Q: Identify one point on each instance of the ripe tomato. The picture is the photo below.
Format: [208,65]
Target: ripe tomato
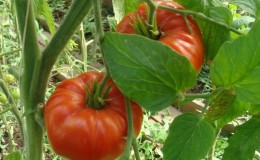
[79,132]
[174,31]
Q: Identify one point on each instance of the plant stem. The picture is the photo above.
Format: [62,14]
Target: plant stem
[152,24]
[11,52]
[83,47]
[99,35]
[200,16]
[195,96]
[130,131]
[212,151]
[33,133]
[135,147]
[98,21]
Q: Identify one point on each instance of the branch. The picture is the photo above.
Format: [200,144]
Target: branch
[201,16]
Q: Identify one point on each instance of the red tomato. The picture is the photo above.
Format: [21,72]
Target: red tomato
[79,132]
[174,31]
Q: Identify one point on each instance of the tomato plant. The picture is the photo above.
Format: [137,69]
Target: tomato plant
[180,33]
[77,130]
[158,57]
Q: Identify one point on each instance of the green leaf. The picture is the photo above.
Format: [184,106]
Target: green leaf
[121,8]
[42,8]
[147,71]
[190,138]
[244,142]
[221,14]
[213,35]
[237,65]
[13,156]
[195,5]
[200,5]
[225,107]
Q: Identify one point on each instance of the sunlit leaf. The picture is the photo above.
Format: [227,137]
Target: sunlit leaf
[237,65]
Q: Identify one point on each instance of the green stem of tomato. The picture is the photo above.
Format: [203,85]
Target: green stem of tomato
[99,35]
[212,150]
[99,96]
[98,21]
[33,133]
[135,147]
[200,16]
[130,130]
[152,24]
[83,47]
[196,96]
[37,66]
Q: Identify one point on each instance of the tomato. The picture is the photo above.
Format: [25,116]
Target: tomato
[15,93]
[78,131]
[173,31]
[3,98]
[9,78]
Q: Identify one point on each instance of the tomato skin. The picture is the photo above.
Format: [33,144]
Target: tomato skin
[186,41]
[79,132]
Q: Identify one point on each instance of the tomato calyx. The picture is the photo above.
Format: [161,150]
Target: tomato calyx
[144,29]
[96,98]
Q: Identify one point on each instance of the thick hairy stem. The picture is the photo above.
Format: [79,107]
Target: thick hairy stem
[33,133]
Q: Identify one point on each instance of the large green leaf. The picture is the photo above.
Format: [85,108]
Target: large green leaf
[190,138]
[237,65]
[145,70]
[244,142]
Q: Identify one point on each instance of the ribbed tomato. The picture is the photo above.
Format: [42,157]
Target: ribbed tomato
[80,132]
[174,31]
